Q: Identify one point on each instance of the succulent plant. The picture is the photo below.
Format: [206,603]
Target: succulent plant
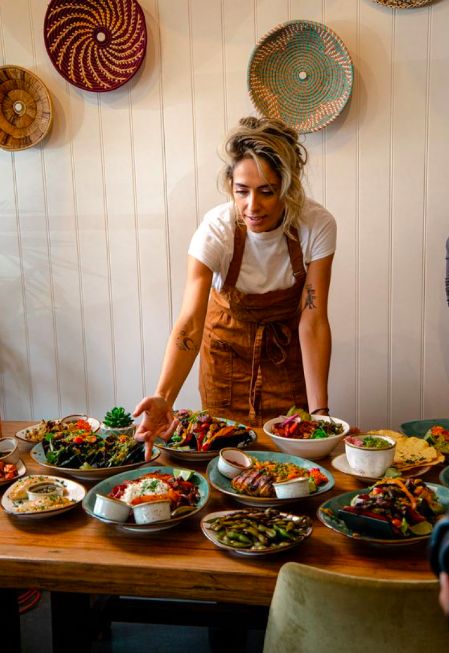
[117,418]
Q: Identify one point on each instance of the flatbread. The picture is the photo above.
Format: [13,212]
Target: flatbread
[411,451]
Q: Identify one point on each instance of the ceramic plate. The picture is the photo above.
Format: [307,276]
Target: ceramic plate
[223,484]
[38,455]
[106,486]
[211,535]
[419,427]
[191,455]
[327,514]
[73,491]
[21,469]
[341,463]
[444,476]
[22,434]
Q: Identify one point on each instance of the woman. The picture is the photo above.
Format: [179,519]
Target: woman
[255,301]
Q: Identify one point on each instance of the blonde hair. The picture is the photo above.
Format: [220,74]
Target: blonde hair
[277,144]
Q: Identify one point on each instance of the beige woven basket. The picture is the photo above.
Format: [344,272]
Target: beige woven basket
[26,113]
[403,4]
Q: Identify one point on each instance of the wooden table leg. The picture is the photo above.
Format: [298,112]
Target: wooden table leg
[10,621]
[70,622]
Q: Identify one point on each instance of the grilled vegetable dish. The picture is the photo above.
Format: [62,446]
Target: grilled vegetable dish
[257,481]
[409,506]
[199,431]
[259,530]
[75,446]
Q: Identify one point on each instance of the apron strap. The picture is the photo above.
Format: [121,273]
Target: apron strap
[295,252]
[237,256]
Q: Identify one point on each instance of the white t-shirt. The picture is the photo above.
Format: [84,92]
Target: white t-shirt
[266,262]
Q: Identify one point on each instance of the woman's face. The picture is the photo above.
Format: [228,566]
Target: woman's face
[257,195]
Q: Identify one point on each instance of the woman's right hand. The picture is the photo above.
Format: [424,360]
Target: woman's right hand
[158,420]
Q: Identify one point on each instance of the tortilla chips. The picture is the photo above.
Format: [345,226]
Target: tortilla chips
[411,451]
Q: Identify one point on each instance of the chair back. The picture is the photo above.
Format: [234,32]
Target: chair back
[318,611]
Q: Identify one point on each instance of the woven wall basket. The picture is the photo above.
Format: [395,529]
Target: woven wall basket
[26,112]
[97,45]
[403,4]
[300,72]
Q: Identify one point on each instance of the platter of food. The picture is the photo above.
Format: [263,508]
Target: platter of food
[392,512]
[411,453]
[199,436]
[35,433]
[186,490]
[256,532]
[10,472]
[342,465]
[39,496]
[255,486]
[420,427]
[89,456]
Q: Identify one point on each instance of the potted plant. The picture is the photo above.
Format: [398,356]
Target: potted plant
[118,422]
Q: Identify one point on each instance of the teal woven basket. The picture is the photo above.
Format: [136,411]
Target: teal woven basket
[302,73]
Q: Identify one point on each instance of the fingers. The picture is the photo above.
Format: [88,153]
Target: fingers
[138,410]
[148,450]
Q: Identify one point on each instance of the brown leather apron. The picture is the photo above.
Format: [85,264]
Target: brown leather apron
[250,360]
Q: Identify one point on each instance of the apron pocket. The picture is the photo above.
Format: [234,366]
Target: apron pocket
[216,375]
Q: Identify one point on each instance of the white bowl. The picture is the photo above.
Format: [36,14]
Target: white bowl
[293,488]
[369,461]
[307,448]
[232,462]
[149,512]
[113,509]
[9,450]
[44,488]
[93,421]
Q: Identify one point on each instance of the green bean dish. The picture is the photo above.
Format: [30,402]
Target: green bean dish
[256,532]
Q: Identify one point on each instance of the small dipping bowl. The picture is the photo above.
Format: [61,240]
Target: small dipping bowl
[152,511]
[44,489]
[369,461]
[111,508]
[232,462]
[9,450]
[292,489]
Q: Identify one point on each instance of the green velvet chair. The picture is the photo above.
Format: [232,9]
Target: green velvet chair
[317,611]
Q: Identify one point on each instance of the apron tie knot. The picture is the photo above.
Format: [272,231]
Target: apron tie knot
[277,339]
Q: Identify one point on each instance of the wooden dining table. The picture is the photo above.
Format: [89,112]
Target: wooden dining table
[74,556]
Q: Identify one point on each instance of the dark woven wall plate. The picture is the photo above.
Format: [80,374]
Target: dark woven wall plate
[26,112]
[96,45]
[403,4]
[300,72]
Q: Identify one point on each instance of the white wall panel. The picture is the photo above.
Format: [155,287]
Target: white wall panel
[408,210]
[95,222]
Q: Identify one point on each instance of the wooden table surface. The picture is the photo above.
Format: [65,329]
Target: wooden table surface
[76,553]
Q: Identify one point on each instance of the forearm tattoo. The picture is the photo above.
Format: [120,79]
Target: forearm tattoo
[310,297]
[184,343]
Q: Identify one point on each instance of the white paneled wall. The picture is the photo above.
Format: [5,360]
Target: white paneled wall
[95,222]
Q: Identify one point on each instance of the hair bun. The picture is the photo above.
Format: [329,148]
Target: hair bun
[250,121]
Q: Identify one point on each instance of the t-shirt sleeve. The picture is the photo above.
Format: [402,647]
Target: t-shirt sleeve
[322,233]
[209,243]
